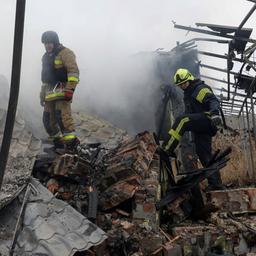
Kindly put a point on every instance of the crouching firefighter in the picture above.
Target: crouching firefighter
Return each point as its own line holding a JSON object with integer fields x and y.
{"x": 60, "y": 75}
{"x": 201, "y": 117}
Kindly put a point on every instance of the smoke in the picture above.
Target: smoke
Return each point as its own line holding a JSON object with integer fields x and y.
{"x": 116, "y": 82}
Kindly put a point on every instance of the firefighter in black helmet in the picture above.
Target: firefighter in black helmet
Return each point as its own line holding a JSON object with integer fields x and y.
{"x": 201, "y": 117}
{"x": 60, "y": 76}
{"x": 50, "y": 37}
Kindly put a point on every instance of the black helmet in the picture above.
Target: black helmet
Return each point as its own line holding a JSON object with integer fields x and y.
{"x": 50, "y": 37}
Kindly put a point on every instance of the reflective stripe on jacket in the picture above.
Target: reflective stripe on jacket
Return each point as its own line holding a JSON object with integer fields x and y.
{"x": 199, "y": 97}
{"x": 61, "y": 67}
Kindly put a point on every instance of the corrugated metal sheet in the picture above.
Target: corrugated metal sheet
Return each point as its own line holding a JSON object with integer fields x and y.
{"x": 52, "y": 227}
{"x": 49, "y": 226}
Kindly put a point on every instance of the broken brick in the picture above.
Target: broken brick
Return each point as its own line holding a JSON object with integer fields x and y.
{"x": 53, "y": 185}
{"x": 234, "y": 200}
{"x": 149, "y": 207}
{"x": 151, "y": 244}
{"x": 172, "y": 250}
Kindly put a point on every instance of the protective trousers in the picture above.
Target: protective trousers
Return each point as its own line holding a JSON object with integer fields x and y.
{"x": 203, "y": 131}
{"x": 57, "y": 117}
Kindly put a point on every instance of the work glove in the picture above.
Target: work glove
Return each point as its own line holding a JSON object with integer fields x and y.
{"x": 216, "y": 120}
{"x": 68, "y": 94}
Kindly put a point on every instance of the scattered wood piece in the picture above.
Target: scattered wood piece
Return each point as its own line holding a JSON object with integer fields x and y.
{"x": 166, "y": 236}
{"x": 174, "y": 239}
{"x": 121, "y": 212}
{"x": 157, "y": 250}
{"x": 127, "y": 225}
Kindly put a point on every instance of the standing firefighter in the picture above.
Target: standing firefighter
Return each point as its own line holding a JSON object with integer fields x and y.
{"x": 60, "y": 75}
{"x": 201, "y": 117}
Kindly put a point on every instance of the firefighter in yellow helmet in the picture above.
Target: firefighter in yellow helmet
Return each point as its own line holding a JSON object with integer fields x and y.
{"x": 60, "y": 76}
{"x": 201, "y": 117}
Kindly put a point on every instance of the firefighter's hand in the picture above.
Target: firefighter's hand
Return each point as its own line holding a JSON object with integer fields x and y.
{"x": 68, "y": 94}
{"x": 216, "y": 120}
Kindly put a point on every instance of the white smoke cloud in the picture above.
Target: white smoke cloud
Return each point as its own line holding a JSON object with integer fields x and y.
{"x": 104, "y": 34}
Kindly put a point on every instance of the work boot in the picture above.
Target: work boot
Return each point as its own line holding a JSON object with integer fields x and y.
{"x": 71, "y": 142}
{"x": 58, "y": 143}
{"x": 56, "y": 140}
{"x": 55, "y": 136}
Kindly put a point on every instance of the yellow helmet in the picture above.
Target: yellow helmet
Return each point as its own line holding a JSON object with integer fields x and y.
{"x": 182, "y": 75}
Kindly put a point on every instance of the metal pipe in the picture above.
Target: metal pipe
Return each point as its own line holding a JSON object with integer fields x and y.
{"x": 15, "y": 83}
{"x": 228, "y": 104}
{"x": 251, "y": 106}
{"x": 250, "y": 63}
{"x": 240, "y": 73}
{"x": 236, "y": 87}
{"x": 250, "y": 140}
{"x": 246, "y": 153}
{"x": 217, "y": 69}
{"x": 234, "y": 113}
{"x": 248, "y": 93}
{"x": 198, "y": 30}
{"x": 253, "y": 116}
{"x": 228, "y": 109}
{"x": 222, "y": 56}
{"x": 228, "y": 70}
{"x": 201, "y": 39}
{"x": 246, "y": 17}
{"x": 216, "y": 79}
{"x": 238, "y": 94}
{"x": 249, "y": 50}
{"x": 236, "y": 100}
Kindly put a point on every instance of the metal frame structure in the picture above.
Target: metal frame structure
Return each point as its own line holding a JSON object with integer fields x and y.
{"x": 230, "y": 57}
{"x": 237, "y": 98}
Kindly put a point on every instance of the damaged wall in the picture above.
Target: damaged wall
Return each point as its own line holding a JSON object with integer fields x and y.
{"x": 240, "y": 169}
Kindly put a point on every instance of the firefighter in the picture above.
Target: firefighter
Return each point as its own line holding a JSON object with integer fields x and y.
{"x": 201, "y": 117}
{"x": 60, "y": 76}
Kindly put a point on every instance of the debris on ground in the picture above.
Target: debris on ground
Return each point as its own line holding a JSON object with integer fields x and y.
{"x": 116, "y": 186}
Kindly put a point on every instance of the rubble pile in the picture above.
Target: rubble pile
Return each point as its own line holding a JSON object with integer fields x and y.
{"x": 126, "y": 182}
{"x": 116, "y": 182}
{"x": 229, "y": 230}
{"x": 222, "y": 236}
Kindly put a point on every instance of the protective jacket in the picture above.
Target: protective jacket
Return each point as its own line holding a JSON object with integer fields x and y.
{"x": 60, "y": 75}
{"x": 60, "y": 66}
{"x": 200, "y": 105}
{"x": 199, "y": 97}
